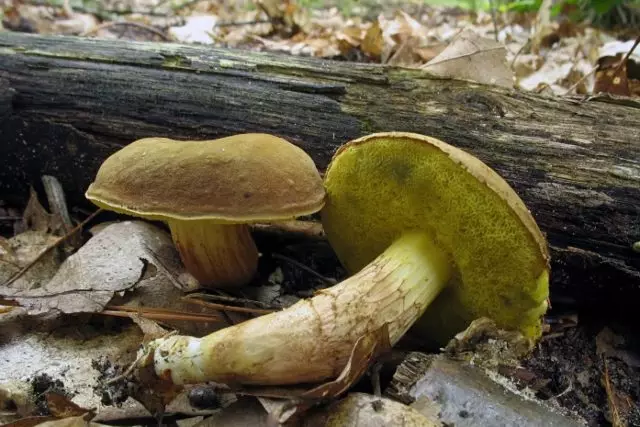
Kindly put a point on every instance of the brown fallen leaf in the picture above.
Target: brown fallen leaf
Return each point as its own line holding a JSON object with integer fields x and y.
{"x": 373, "y": 42}
{"x": 611, "y": 76}
{"x": 78, "y": 421}
{"x": 472, "y": 58}
{"x": 30, "y": 421}
{"x": 61, "y": 407}
{"x": 113, "y": 261}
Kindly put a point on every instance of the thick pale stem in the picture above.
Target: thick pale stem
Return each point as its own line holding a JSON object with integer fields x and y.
{"x": 311, "y": 340}
{"x": 217, "y": 255}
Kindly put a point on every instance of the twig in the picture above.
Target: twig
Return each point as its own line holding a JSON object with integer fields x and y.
{"x": 626, "y": 57}
{"x": 328, "y": 280}
{"x": 107, "y": 25}
{"x": 51, "y": 247}
{"x": 492, "y": 5}
{"x": 240, "y": 23}
{"x": 9, "y": 218}
{"x": 175, "y": 315}
{"x": 582, "y": 79}
{"x": 524, "y": 46}
{"x": 235, "y": 300}
{"x": 215, "y": 306}
{"x": 157, "y": 310}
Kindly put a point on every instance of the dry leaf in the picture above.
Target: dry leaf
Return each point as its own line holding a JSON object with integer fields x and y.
{"x": 30, "y": 421}
{"x": 79, "y": 421}
{"x": 115, "y": 260}
{"x": 61, "y": 407}
{"x": 372, "y": 44}
{"x": 470, "y": 57}
{"x": 247, "y": 411}
{"x": 18, "y": 251}
{"x": 35, "y": 217}
{"x": 611, "y": 76}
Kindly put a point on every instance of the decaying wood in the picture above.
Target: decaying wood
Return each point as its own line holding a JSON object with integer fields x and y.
{"x": 67, "y": 103}
{"x": 464, "y": 395}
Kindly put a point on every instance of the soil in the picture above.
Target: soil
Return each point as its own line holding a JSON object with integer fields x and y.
{"x": 577, "y": 364}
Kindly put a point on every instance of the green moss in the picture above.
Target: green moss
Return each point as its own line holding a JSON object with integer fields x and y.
{"x": 176, "y": 61}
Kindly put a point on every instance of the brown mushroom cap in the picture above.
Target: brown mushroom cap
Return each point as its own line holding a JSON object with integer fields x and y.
{"x": 237, "y": 179}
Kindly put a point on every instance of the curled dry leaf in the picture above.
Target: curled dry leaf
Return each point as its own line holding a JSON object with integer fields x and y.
{"x": 473, "y": 58}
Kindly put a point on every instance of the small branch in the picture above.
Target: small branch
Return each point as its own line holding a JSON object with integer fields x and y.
{"x": 50, "y": 248}
{"x": 9, "y": 218}
{"x": 579, "y": 82}
{"x": 626, "y": 57}
{"x": 236, "y": 300}
{"x": 240, "y": 23}
{"x": 157, "y": 314}
{"x": 494, "y": 18}
{"x": 213, "y": 305}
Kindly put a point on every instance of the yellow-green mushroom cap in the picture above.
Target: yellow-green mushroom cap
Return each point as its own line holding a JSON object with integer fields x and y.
{"x": 237, "y": 179}
{"x": 386, "y": 184}
{"x": 208, "y": 191}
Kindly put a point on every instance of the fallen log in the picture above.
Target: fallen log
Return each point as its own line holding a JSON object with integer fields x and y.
{"x": 67, "y": 103}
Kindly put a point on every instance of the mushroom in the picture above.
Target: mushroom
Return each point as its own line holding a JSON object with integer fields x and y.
{"x": 391, "y": 193}
{"x": 419, "y": 221}
{"x": 207, "y": 192}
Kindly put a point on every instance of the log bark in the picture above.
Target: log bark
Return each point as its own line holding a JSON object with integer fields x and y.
{"x": 66, "y": 103}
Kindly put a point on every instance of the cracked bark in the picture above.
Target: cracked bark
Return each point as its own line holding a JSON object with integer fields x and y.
{"x": 67, "y": 103}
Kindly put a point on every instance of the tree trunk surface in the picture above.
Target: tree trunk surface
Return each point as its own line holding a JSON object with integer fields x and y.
{"x": 67, "y": 103}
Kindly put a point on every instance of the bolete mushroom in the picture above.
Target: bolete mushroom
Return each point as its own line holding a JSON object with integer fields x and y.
{"x": 417, "y": 219}
{"x": 207, "y": 192}
{"x": 391, "y": 193}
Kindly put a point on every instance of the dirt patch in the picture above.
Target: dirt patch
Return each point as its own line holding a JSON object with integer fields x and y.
{"x": 576, "y": 366}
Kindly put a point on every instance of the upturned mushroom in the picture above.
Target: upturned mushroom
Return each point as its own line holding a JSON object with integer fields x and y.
{"x": 207, "y": 192}
{"x": 419, "y": 220}
{"x": 394, "y": 193}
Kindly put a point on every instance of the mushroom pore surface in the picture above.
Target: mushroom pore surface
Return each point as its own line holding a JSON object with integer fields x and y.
{"x": 384, "y": 185}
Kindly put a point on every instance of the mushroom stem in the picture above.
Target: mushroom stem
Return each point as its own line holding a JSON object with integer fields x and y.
{"x": 217, "y": 255}
{"x": 311, "y": 341}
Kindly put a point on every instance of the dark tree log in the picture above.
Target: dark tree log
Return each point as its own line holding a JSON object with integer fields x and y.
{"x": 67, "y": 103}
